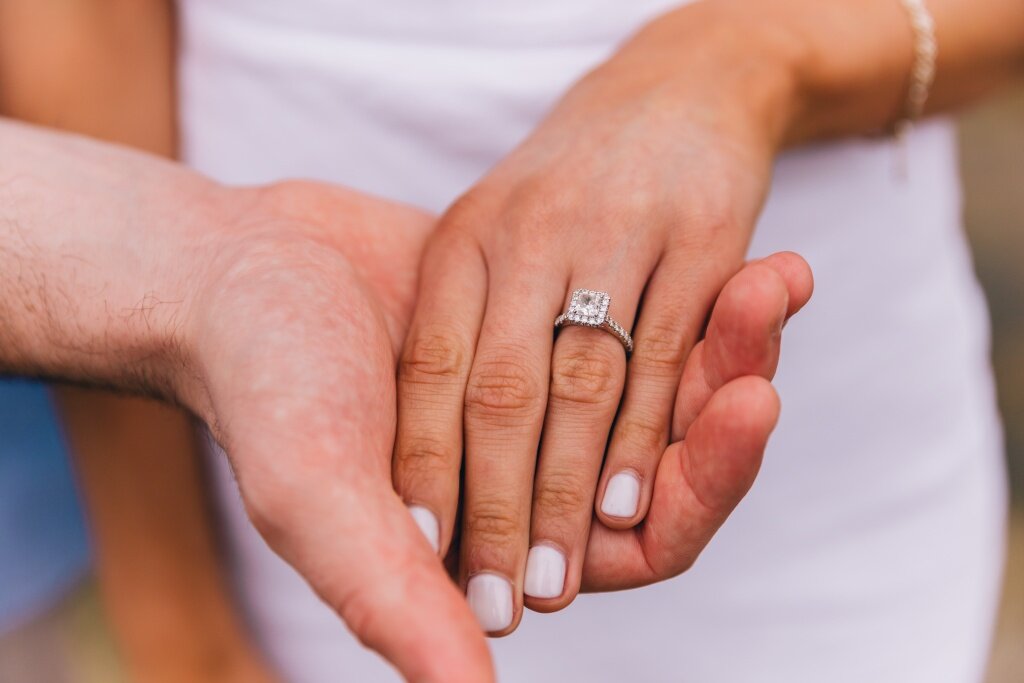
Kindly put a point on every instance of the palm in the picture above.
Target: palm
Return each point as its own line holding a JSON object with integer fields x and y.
{"x": 724, "y": 412}
{"x": 298, "y": 350}
{"x": 301, "y": 339}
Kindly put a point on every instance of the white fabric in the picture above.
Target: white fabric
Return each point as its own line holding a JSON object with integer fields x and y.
{"x": 870, "y": 547}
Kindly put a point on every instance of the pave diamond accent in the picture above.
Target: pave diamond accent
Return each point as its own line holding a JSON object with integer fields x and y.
{"x": 588, "y": 307}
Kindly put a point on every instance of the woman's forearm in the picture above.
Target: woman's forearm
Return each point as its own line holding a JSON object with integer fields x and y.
{"x": 856, "y": 72}
{"x": 816, "y": 70}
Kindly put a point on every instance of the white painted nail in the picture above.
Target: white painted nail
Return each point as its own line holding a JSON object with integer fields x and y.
{"x": 427, "y": 523}
{"x": 621, "y": 496}
{"x": 545, "y": 572}
{"x": 490, "y": 598}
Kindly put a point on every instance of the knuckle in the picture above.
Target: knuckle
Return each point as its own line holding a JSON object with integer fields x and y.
{"x": 706, "y": 229}
{"x": 503, "y": 387}
{"x": 662, "y": 350}
{"x": 433, "y": 357}
{"x": 643, "y": 433}
{"x": 423, "y": 458}
{"x": 492, "y": 524}
{"x": 463, "y": 217}
{"x": 587, "y": 374}
{"x": 560, "y": 494}
{"x": 545, "y": 202}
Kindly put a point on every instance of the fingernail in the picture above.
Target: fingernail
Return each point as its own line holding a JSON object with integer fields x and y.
{"x": 427, "y": 523}
{"x": 621, "y": 496}
{"x": 545, "y": 572}
{"x": 490, "y": 598}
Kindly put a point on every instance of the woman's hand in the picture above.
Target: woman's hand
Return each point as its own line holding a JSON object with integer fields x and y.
{"x": 725, "y": 411}
{"x": 645, "y": 183}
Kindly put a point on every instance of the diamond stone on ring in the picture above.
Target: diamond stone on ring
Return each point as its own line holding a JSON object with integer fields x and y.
{"x": 589, "y": 308}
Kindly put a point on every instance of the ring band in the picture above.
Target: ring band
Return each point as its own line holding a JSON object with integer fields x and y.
{"x": 589, "y": 308}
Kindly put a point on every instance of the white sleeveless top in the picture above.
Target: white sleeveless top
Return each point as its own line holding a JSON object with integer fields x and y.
{"x": 870, "y": 547}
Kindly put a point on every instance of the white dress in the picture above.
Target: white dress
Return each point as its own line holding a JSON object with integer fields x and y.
{"x": 870, "y": 547}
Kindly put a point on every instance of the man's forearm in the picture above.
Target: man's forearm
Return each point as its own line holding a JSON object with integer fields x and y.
{"x": 94, "y": 285}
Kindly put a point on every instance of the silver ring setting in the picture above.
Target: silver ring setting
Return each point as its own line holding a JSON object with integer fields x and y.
{"x": 589, "y": 308}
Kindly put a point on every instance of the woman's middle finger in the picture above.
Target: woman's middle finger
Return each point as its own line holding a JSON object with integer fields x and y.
{"x": 588, "y": 369}
{"x": 505, "y": 401}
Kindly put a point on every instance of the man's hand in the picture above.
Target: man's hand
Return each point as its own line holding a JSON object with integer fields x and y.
{"x": 725, "y": 410}
{"x": 274, "y": 317}
{"x": 296, "y": 337}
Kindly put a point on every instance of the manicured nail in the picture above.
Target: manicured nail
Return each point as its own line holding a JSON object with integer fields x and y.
{"x": 427, "y": 523}
{"x": 545, "y": 572}
{"x": 621, "y": 496}
{"x": 490, "y": 598}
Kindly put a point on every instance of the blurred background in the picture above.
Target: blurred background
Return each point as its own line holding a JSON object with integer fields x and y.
{"x": 73, "y": 636}
{"x": 992, "y": 159}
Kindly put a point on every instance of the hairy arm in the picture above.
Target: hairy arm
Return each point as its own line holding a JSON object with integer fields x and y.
{"x": 252, "y": 307}
{"x": 104, "y": 68}
{"x": 84, "y": 298}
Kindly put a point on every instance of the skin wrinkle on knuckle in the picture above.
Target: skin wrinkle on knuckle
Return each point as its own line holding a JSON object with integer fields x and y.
{"x": 433, "y": 358}
{"x": 660, "y": 351}
{"x": 561, "y": 494}
{"x": 710, "y": 238}
{"x": 493, "y": 523}
{"x": 420, "y": 460}
{"x": 503, "y": 389}
{"x": 586, "y": 375}
{"x": 642, "y": 433}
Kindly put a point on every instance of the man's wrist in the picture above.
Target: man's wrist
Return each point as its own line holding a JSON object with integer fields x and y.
{"x": 102, "y": 254}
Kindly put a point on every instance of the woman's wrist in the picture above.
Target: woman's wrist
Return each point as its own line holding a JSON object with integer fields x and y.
{"x": 790, "y": 71}
{"x": 717, "y": 65}
{"x": 815, "y": 70}
{"x": 855, "y": 64}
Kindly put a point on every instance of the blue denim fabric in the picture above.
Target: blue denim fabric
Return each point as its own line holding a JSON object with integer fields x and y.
{"x": 44, "y": 548}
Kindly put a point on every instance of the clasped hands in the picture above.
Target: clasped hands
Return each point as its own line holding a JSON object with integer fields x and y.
{"x": 316, "y": 307}
{"x": 540, "y": 466}
{"x": 301, "y": 336}
{"x": 388, "y": 386}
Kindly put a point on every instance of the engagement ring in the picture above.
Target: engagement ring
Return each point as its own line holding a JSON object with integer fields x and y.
{"x": 590, "y": 309}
